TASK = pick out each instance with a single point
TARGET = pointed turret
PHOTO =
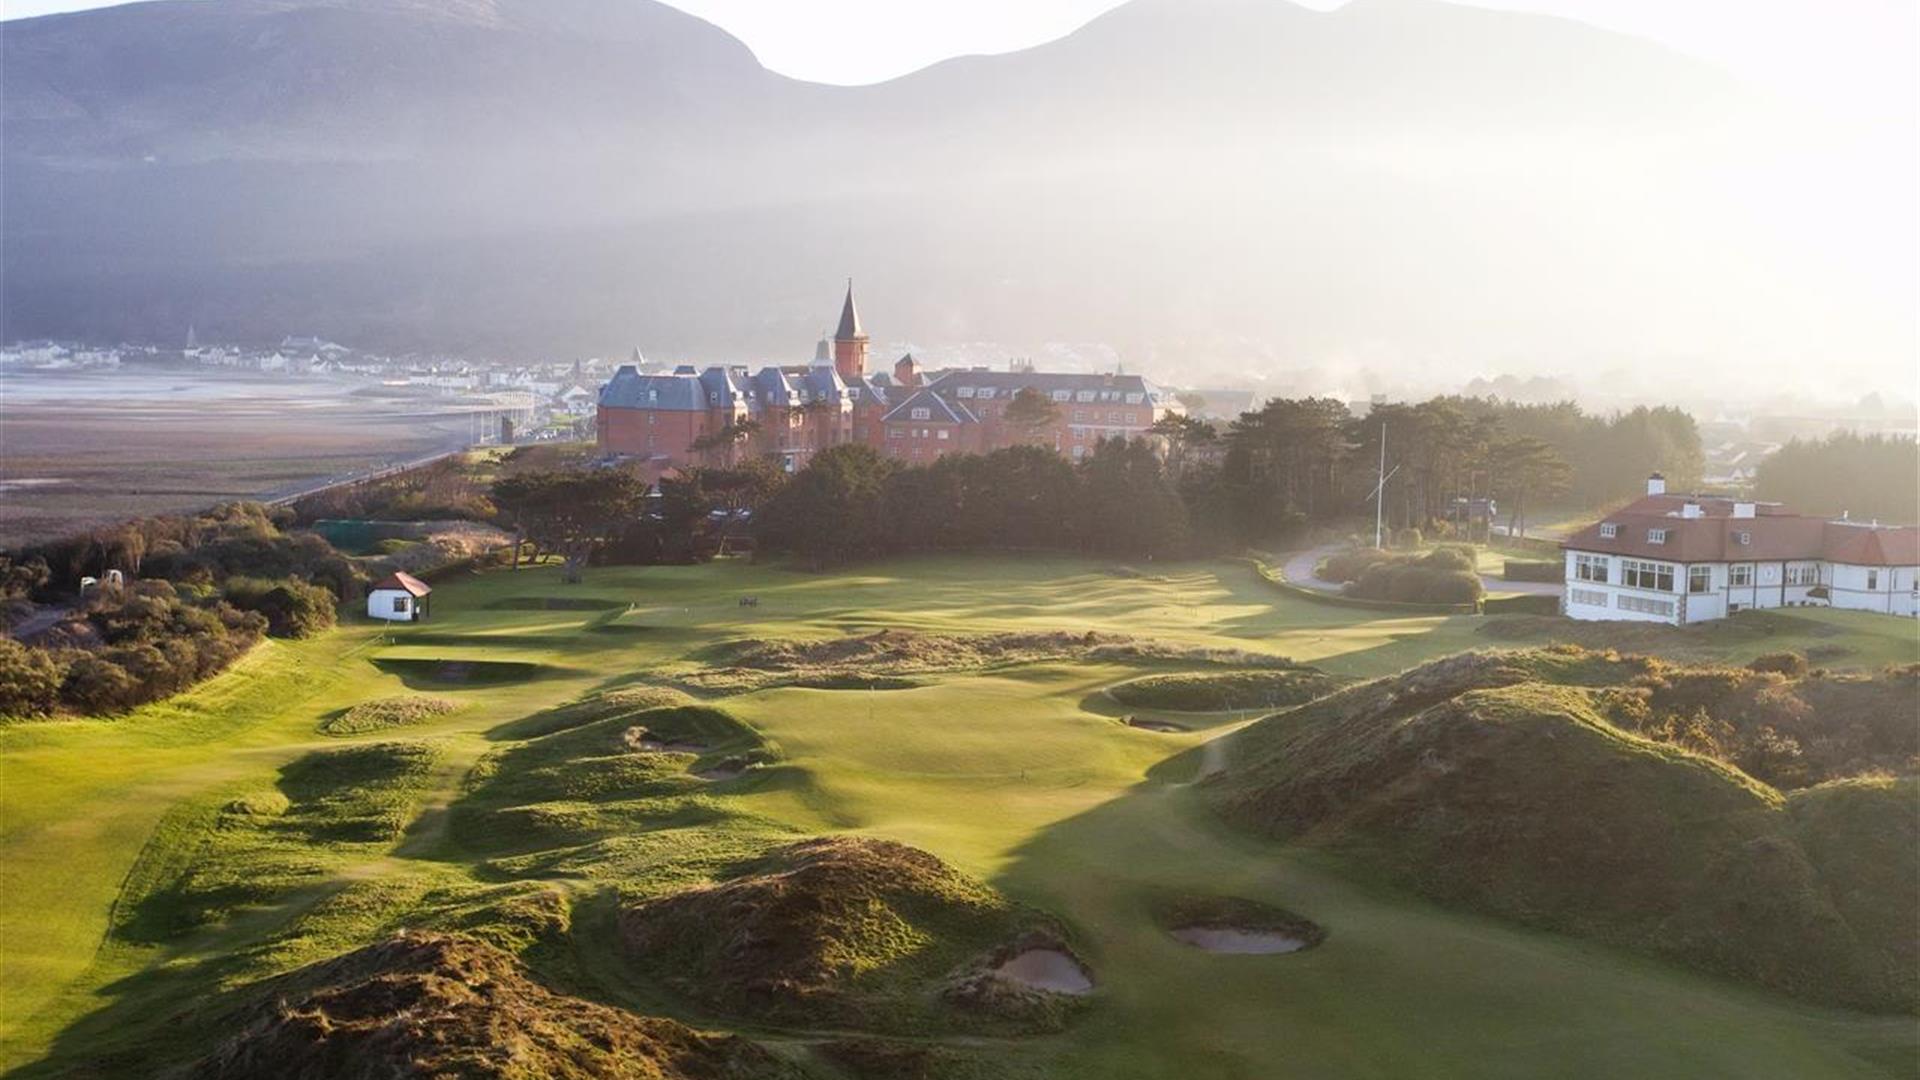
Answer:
(850, 328)
(850, 341)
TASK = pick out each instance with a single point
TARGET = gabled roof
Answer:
(1872, 545)
(1007, 383)
(1770, 535)
(628, 389)
(940, 410)
(850, 328)
(404, 582)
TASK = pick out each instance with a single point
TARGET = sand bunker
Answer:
(1221, 939)
(642, 741)
(1157, 725)
(1047, 969)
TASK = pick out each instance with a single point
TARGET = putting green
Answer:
(1025, 776)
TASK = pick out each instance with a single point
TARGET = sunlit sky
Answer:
(1854, 54)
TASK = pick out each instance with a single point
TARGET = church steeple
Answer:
(850, 341)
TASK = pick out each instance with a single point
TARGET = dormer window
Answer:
(1609, 530)
(1061, 395)
(1656, 536)
(966, 391)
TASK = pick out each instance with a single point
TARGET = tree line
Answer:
(1863, 476)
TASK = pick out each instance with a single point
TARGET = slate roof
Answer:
(1106, 388)
(940, 409)
(850, 328)
(628, 389)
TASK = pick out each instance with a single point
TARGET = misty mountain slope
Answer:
(1397, 179)
(185, 81)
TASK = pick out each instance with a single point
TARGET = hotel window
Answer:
(1086, 395)
(923, 414)
(966, 391)
(1804, 575)
(1645, 606)
(944, 433)
(1609, 531)
(1113, 418)
(1589, 597)
(895, 433)
(1873, 580)
(1133, 399)
(1699, 579)
(1656, 536)
(1590, 568)
(1079, 416)
(1646, 575)
(1061, 395)
(1740, 576)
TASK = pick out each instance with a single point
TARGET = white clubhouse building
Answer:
(1693, 558)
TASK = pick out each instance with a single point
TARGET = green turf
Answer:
(1023, 776)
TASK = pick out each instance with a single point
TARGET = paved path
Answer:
(1298, 570)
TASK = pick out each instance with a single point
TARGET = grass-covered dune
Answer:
(1223, 691)
(433, 1005)
(844, 930)
(1497, 781)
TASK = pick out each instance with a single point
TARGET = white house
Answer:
(399, 597)
(1692, 558)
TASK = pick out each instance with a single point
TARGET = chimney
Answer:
(1743, 509)
(1656, 484)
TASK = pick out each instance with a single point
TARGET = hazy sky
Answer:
(1857, 54)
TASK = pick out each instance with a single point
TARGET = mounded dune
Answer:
(1497, 781)
(440, 1006)
(602, 777)
(881, 658)
(379, 714)
(841, 930)
(1226, 690)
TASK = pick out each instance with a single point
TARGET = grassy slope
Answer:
(1021, 776)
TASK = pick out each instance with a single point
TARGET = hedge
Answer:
(1529, 570)
(1524, 604)
(1278, 581)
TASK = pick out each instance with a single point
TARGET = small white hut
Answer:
(399, 597)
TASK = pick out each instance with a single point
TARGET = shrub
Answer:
(1409, 539)
(29, 680)
(1533, 570)
(96, 685)
(293, 608)
(1790, 664)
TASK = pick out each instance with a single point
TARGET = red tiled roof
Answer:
(1771, 535)
(1869, 545)
(405, 582)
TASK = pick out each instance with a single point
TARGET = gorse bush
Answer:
(293, 608)
(1444, 575)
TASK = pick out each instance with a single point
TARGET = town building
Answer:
(690, 416)
(1694, 558)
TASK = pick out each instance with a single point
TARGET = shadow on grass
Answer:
(432, 673)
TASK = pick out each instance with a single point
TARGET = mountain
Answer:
(1241, 179)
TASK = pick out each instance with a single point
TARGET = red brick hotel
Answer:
(907, 414)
